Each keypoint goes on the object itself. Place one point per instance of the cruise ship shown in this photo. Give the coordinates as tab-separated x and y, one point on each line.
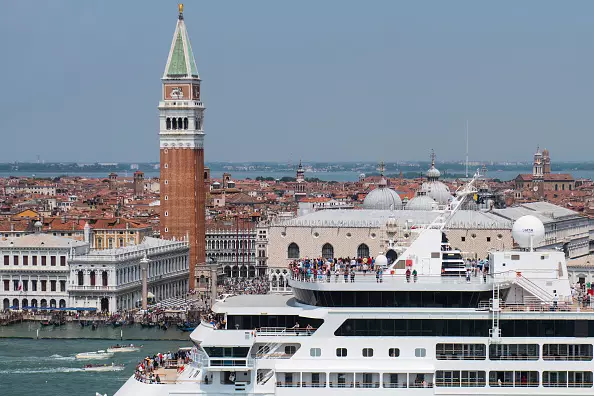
515	328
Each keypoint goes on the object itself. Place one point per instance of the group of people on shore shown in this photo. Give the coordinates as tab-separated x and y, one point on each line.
257	285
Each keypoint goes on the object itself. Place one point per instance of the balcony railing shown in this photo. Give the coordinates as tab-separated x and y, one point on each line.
91	288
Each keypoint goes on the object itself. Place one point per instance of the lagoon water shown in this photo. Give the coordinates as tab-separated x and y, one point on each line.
47	366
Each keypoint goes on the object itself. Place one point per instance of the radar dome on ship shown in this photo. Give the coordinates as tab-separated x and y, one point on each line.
381	260
528	230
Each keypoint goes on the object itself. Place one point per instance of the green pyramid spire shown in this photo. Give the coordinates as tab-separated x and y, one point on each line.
181	62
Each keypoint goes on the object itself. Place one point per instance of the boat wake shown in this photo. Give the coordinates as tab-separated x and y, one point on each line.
43	371
60	357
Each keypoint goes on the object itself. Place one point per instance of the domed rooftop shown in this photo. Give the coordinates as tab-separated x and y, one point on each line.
436	190
382	198
433	173
433	188
421	202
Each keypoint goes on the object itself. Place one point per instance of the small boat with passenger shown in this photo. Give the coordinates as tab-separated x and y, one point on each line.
123	348
94	355
103	367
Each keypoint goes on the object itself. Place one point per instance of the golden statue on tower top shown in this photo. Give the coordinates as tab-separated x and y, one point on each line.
180	6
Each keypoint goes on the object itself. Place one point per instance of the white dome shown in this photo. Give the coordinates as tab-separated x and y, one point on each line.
438	191
433	173
526	227
421	202
381	260
382	198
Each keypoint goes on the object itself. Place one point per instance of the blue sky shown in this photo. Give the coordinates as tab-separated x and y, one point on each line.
334	80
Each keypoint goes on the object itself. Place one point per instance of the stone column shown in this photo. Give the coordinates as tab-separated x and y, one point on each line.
144	267
212	266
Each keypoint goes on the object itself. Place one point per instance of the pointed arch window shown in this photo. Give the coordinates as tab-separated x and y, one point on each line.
293	251
186	123
168	122
174	123
363	250
180	123
328	251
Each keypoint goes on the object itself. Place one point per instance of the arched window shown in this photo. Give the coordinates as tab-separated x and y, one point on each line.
186	123
328	251
81	278
62	303
363	250
174	123
52	303
44	303
104	278
293	251
556	187
15	304
243	271
180	123
92	278
168	122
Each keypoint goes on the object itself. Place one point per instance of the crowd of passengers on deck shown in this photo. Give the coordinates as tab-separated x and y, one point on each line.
146	370
320	269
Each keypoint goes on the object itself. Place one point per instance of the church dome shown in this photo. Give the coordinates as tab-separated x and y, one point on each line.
382	198
421	202
433	173
436	190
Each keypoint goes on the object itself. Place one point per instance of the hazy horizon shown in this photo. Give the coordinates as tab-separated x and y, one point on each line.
316	81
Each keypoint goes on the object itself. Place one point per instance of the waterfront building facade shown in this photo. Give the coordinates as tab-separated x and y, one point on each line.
181	140
35	270
111	279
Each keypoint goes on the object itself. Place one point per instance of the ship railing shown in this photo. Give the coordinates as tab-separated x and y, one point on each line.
281	384
535	307
341	385
567	357
420	385
460	357
283	331
321	384
395	384
392	278
510	384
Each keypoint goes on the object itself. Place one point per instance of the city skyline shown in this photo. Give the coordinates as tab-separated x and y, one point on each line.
309	82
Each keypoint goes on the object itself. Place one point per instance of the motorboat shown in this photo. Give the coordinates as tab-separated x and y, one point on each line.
94	355
123	348
103	367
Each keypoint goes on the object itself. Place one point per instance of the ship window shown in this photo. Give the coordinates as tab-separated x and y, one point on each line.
315	352
341	352
515	257
460	351
447	378
367	352
420	352
488	239
579	379
513	351
290	350
473	378
394	352
463	239
554	379
567	352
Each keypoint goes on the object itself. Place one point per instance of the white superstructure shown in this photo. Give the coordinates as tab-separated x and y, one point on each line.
514	329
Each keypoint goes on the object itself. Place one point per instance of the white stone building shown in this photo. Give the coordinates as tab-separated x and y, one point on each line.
233	248
110	279
35	270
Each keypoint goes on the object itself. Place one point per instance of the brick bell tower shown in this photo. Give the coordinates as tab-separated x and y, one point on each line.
181	141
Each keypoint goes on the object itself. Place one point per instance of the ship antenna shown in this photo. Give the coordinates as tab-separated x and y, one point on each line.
466	167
